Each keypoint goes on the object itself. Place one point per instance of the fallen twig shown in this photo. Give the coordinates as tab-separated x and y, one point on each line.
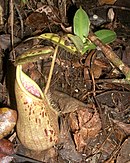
111	56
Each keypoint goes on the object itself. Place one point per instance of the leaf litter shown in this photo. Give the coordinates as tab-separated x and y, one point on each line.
95	126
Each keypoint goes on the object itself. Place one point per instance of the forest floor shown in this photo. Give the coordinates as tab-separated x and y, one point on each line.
96	126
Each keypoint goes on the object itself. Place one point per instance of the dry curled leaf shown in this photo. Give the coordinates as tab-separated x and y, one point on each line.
51	12
79	141
124	153
68	151
37	20
124	126
89	126
92	127
8	119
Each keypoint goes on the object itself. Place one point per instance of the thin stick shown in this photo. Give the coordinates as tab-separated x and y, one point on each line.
20	18
111	56
93	81
12	26
51	70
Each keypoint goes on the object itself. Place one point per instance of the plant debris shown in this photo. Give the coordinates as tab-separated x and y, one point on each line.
90	92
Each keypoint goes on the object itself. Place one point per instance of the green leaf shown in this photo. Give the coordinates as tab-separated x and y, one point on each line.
81	24
77	42
34	55
24	1
63	41
106	36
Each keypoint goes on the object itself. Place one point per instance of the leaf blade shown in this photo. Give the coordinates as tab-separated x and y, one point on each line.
81	24
77	42
34	54
106	36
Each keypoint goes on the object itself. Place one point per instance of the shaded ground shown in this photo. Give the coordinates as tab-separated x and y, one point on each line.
97	129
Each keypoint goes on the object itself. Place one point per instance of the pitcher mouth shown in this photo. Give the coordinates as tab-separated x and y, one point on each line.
27	84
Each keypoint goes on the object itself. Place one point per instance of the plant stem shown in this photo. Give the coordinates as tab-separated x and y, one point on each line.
51	70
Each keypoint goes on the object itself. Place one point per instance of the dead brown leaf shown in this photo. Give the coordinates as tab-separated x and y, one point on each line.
96	70
68	150
124	154
51	12
37	20
91	128
84	125
79	141
124	126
